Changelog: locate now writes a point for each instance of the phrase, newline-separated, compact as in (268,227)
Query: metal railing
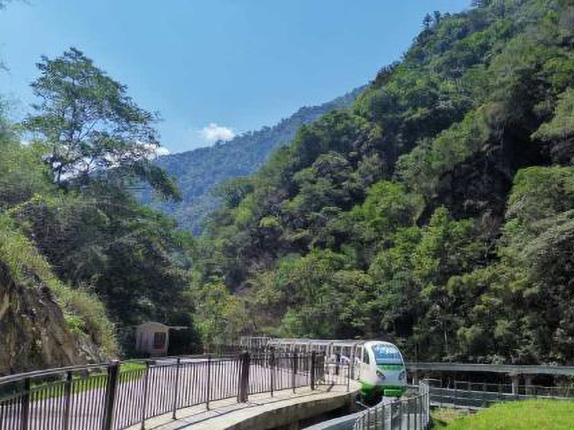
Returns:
(514,369)
(411,412)
(118,395)
(477,395)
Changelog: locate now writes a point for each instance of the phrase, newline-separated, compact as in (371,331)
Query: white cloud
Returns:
(213,133)
(154,151)
(162,150)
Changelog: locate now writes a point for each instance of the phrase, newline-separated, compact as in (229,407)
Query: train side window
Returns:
(366,359)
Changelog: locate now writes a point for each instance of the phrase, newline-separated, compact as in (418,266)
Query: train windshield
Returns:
(387,354)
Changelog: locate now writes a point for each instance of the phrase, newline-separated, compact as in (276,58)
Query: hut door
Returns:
(159,340)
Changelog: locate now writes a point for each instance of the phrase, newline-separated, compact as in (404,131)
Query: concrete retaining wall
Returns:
(288,417)
(343,423)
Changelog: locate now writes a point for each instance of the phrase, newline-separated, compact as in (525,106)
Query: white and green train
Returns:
(378,366)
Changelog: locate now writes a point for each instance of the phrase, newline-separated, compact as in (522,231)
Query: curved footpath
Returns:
(262,412)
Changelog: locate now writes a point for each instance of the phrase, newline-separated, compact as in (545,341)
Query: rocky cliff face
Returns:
(33,331)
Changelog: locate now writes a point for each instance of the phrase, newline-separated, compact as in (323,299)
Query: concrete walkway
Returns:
(261,412)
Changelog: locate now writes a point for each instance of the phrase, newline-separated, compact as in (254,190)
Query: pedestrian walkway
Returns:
(262,411)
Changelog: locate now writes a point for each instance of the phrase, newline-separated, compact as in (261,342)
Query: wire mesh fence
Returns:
(408,413)
(476,395)
(120,395)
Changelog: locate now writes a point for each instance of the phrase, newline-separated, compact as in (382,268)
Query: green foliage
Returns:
(233,191)
(387,208)
(84,313)
(117,247)
(540,192)
(21,173)
(425,165)
(90,125)
(524,415)
(214,314)
(558,132)
(428,213)
(318,286)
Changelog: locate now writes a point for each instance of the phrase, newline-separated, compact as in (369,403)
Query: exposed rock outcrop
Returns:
(33,331)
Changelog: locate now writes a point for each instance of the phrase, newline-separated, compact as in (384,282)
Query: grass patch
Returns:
(521,415)
(84,313)
(44,390)
(444,416)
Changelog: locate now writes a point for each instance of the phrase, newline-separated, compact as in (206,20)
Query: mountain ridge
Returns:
(198,171)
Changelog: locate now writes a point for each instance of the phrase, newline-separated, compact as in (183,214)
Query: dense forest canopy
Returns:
(436,212)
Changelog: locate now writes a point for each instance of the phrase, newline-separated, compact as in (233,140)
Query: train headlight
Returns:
(380,375)
(402,375)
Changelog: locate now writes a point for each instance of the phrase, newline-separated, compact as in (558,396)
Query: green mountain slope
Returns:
(437,211)
(197,172)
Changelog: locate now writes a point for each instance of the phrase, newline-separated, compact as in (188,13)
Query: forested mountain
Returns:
(437,211)
(198,172)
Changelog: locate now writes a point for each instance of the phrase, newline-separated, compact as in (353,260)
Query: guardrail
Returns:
(478,395)
(118,395)
(412,412)
(492,368)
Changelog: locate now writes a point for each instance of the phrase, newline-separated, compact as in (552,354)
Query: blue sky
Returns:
(213,68)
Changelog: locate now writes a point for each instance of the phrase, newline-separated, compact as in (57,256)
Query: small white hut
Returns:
(153,338)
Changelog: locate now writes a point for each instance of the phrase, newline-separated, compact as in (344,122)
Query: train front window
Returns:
(387,354)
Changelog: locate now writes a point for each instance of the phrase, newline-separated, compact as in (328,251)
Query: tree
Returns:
(558,132)
(83,218)
(92,126)
(388,207)
(427,21)
(437,17)
(480,3)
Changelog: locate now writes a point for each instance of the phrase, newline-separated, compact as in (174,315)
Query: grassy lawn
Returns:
(43,393)
(523,415)
(443,417)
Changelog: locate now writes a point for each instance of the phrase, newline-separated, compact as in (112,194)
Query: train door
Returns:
(359,363)
(367,369)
